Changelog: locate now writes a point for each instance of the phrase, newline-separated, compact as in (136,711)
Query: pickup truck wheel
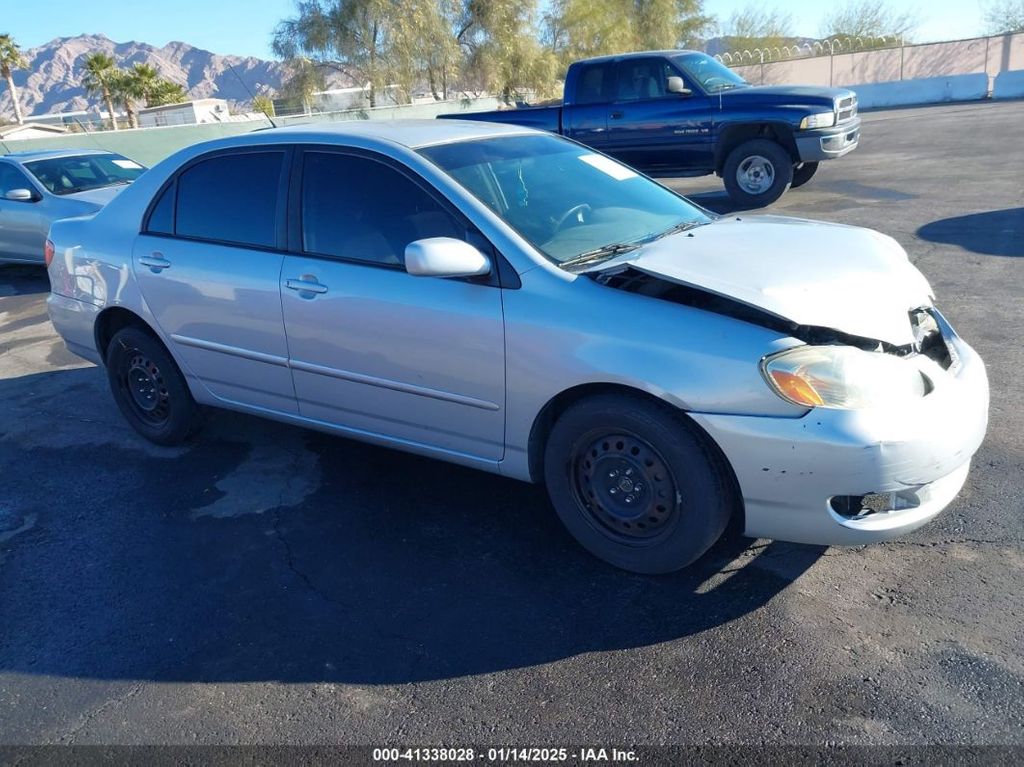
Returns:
(149,388)
(636,484)
(802,173)
(757,172)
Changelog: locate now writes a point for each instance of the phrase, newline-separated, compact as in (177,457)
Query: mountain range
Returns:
(53,79)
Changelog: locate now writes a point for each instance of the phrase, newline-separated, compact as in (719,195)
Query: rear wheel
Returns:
(149,388)
(636,484)
(802,173)
(757,173)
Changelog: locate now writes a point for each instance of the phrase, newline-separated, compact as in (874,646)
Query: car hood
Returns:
(786,94)
(853,280)
(100,196)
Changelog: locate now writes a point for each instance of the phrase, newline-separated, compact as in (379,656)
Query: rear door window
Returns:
(595,84)
(232,199)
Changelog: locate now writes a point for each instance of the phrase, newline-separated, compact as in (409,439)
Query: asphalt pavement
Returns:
(267,584)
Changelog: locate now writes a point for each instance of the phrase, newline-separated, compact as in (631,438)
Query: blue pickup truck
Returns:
(683,113)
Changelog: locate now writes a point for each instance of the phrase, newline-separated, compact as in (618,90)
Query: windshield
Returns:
(563,198)
(67,175)
(711,74)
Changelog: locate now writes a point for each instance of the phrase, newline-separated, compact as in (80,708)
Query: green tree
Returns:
(304,79)
(263,104)
(1004,17)
(757,27)
(11,59)
(375,43)
(580,28)
(504,54)
(869,20)
(98,72)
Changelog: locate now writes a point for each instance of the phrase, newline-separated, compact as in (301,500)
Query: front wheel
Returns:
(636,484)
(149,388)
(757,173)
(802,173)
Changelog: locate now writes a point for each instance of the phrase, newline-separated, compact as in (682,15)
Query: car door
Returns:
(208,263)
(22,232)
(585,117)
(373,349)
(651,128)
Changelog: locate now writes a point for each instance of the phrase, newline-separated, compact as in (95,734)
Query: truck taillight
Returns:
(48,251)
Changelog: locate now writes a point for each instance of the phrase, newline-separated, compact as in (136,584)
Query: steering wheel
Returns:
(575,210)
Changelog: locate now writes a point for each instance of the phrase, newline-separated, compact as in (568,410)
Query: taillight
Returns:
(48,251)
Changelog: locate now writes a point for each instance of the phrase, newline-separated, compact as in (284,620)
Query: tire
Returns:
(609,448)
(757,173)
(149,388)
(802,173)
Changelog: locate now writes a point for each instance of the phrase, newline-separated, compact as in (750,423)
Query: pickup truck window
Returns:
(710,74)
(595,83)
(643,79)
(562,198)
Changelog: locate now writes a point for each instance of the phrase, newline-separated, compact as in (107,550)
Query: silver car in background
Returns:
(38,188)
(513,301)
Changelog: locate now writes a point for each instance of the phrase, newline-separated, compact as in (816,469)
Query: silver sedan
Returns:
(509,300)
(38,188)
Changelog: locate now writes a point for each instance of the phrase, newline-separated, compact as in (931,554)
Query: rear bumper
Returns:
(75,321)
(830,143)
(794,472)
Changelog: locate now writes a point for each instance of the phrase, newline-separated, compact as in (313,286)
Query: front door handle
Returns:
(616,115)
(308,284)
(156,262)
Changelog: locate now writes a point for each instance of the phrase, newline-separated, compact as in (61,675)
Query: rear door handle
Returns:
(156,262)
(306,285)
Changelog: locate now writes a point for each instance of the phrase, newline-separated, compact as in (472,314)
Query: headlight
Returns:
(820,120)
(843,377)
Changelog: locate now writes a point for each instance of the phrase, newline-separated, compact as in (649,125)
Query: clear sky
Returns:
(244,27)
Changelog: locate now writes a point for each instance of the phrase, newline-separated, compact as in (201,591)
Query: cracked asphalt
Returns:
(266,584)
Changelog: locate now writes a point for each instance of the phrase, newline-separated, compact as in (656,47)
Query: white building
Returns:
(29,130)
(187,113)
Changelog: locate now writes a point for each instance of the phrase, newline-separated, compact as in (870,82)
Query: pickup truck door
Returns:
(653,129)
(585,114)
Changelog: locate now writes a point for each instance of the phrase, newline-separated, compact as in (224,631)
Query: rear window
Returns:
(594,84)
(229,198)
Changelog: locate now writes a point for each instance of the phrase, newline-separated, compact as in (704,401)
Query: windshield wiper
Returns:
(600,254)
(680,227)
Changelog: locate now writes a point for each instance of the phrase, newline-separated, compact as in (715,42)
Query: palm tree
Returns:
(100,72)
(126,87)
(166,92)
(10,60)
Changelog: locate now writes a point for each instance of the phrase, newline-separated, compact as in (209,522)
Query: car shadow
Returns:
(265,552)
(992,233)
(23,279)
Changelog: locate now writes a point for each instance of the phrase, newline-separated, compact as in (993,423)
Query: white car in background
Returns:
(38,188)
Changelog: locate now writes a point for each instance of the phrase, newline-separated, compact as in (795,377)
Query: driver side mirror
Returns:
(20,195)
(445,257)
(676,85)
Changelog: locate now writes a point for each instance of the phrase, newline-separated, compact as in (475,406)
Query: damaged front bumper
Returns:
(849,477)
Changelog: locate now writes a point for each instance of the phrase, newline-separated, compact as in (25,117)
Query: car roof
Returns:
(48,154)
(412,134)
(632,55)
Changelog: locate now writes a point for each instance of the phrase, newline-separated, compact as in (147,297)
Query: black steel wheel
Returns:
(625,485)
(149,388)
(637,483)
